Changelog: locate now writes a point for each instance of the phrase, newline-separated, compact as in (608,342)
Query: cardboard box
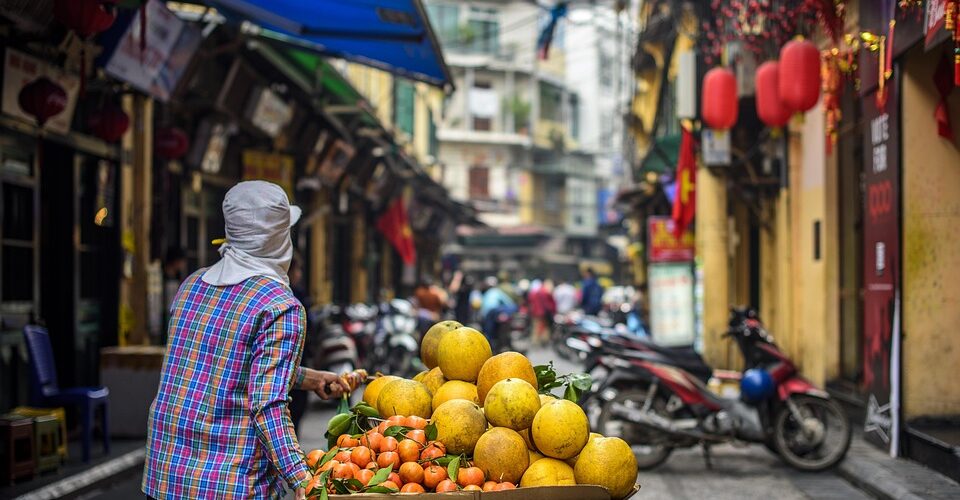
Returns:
(579,492)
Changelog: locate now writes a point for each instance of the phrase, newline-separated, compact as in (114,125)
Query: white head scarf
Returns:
(257,217)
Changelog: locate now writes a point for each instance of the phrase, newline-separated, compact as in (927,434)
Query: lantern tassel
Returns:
(143,31)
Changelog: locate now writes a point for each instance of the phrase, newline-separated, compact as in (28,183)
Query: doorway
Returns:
(850,229)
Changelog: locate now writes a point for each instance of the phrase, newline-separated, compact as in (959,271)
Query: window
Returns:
(482,32)
(403,104)
(550,102)
(479,188)
(574,117)
(606,131)
(445,19)
(484,106)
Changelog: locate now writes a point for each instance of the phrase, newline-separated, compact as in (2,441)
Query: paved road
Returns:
(737,473)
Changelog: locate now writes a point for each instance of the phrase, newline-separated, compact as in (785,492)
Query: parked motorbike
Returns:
(656,405)
(359,320)
(575,324)
(335,350)
(396,341)
(512,332)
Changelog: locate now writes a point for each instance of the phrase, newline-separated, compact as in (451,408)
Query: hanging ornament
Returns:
(719,107)
(799,75)
(86,18)
(171,143)
(109,123)
(43,99)
(832,91)
(770,108)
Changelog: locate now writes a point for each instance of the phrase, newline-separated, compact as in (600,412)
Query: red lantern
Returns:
(171,143)
(109,123)
(799,75)
(85,17)
(770,108)
(42,99)
(719,107)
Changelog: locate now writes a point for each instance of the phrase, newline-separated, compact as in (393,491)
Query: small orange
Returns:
(506,485)
(388,444)
(389,484)
(383,427)
(396,420)
(408,450)
(361,455)
(372,440)
(395,478)
(313,484)
(472,487)
(342,456)
(470,475)
(355,468)
(411,472)
(364,476)
(412,488)
(343,471)
(446,485)
(372,465)
(489,485)
(430,453)
(432,476)
(418,436)
(329,465)
(347,441)
(389,459)
(416,422)
(313,458)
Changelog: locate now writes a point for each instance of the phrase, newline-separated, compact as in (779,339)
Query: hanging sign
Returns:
(19,69)
(272,167)
(672,321)
(881,271)
(934,21)
(664,246)
(716,147)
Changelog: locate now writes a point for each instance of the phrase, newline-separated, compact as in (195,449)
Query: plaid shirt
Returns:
(219,426)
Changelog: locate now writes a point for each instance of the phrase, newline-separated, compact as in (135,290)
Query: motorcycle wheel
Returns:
(819,440)
(641,439)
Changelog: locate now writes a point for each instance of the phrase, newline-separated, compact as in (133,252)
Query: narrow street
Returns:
(737,472)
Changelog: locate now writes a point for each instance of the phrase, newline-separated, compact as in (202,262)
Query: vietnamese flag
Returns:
(396,228)
(685,201)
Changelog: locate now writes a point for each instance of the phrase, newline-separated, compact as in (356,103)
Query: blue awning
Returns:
(393,35)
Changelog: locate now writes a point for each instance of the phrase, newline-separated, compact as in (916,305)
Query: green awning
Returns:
(662,156)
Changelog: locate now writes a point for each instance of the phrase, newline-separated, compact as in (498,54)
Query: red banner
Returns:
(663,246)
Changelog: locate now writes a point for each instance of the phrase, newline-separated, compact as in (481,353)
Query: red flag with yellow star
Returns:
(685,202)
(395,227)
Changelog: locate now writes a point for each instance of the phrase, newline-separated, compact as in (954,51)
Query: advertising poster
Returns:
(664,246)
(881,272)
(671,304)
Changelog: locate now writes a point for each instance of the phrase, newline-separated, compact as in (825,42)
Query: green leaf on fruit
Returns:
(431,432)
(379,489)
(396,430)
(453,468)
(328,456)
(380,476)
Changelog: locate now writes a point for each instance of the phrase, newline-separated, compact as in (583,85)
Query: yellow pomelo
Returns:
(501,454)
(431,340)
(372,391)
(419,377)
(460,424)
(534,456)
(607,462)
(461,354)
(404,397)
(547,472)
(433,380)
(525,434)
(546,398)
(572,462)
(455,389)
(501,367)
(560,429)
(512,403)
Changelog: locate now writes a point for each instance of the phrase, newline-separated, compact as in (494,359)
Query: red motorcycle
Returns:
(657,406)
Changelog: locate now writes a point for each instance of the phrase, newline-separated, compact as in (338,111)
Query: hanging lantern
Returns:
(770,108)
(799,75)
(43,99)
(86,18)
(719,106)
(109,123)
(171,143)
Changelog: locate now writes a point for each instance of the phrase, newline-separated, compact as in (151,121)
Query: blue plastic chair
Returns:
(45,393)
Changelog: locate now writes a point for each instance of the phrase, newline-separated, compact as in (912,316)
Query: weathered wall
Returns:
(931,252)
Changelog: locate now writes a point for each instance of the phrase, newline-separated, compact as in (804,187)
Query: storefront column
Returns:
(711,236)
(319,280)
(358,268)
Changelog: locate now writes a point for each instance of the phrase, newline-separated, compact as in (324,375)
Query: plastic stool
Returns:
(46,433)
(58,413)
(19,457)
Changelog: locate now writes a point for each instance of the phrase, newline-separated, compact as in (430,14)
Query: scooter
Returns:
(336,350)
(397,342)
(647,399)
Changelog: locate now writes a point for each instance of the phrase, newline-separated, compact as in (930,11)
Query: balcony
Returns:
(484,137)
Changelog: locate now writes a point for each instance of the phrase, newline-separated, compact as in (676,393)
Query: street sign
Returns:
(716,147)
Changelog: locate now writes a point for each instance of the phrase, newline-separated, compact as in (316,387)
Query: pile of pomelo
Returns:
(474,421)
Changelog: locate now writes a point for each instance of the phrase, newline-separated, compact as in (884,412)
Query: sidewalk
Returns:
(873,471)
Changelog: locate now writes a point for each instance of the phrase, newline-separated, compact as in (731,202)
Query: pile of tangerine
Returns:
(412,460)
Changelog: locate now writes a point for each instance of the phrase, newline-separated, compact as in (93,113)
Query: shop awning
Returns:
(393,35)
(662,156)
